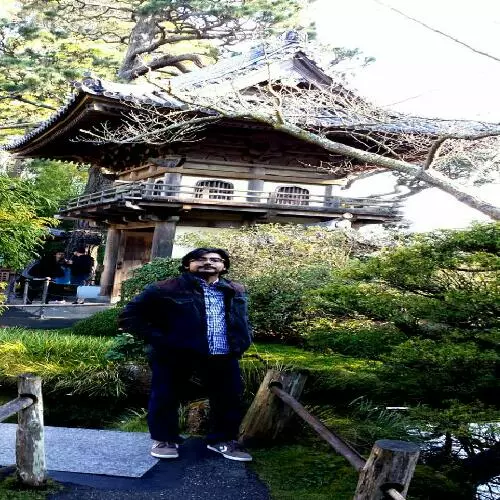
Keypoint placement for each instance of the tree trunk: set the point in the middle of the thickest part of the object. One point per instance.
(96, 181)
(141, 36)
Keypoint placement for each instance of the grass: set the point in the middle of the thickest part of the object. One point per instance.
(309, 471)
(345, 376)
(66, 362)
(11, 489)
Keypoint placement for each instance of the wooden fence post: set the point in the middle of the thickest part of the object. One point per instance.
(391, 465)
(30, 452)
(268, 415)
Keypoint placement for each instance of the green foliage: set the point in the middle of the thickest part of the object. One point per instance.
(156, 270)
(101, 324)
(442, 292)
(22, 230)
(56, 181)
(330, 376)
(362, 422)
(259, 249)
(126, 347)
(278, 301)
(309, 471)
(433, 371)
(38, 62)
(47, 44)
(447, 277)
(354, 337)
(132, 421)
(66, 362)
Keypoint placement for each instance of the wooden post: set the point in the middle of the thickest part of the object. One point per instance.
(45, 291)
(255, 185)
(390, 466)
(268, 415)
(25, 291)
(110, 259)
(30, 452)
(163, 238)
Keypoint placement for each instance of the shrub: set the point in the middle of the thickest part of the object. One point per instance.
(156, 270)
(101, 324)
(257, 250)
(126, 347)
(360, 338)
(434, 371)
(278, 300)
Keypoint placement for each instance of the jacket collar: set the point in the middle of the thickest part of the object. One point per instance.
(192, 281)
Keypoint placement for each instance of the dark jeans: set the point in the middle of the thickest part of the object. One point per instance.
(221, 378)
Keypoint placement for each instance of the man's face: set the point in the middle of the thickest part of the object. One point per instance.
(209, 264)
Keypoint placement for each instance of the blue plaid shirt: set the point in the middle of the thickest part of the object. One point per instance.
(216, 318)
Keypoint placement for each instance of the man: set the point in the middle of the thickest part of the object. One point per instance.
(197, 322)
(81, 265)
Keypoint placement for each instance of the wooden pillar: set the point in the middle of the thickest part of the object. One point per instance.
(163, 238)
(255, 185)
(174, 180)
(390, 466)
(110, 259)
(30, 452)
(268, 415)
(331, 200)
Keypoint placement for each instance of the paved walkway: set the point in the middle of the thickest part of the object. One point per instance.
(198, 474)
(50, 316)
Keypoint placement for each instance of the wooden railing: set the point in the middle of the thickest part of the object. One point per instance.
(136, 191)
(387, 472)
(30, 452)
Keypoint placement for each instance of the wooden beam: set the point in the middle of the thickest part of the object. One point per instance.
(163, 238)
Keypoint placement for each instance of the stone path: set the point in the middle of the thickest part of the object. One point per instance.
(115, 465)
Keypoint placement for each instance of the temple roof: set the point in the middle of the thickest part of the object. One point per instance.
(288, 59)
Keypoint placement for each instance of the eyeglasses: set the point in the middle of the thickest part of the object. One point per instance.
(208, 259)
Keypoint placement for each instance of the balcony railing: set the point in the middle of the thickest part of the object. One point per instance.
(148, 191)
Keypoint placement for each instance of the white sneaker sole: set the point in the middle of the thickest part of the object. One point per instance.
(157, 455)
(229, 457)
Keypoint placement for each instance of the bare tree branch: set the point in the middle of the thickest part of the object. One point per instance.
(435, 30)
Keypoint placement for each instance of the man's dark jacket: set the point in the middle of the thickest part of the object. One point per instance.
(170, 315)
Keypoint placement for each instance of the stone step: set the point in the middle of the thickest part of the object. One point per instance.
(87, 451)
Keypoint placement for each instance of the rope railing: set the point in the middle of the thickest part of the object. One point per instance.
(30, 452)
(385, 474)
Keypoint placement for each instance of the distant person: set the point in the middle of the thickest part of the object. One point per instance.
(198, 323)
(81, 265)
(49, 266)
(65, 279)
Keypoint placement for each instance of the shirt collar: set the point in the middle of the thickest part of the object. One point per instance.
(205, 283)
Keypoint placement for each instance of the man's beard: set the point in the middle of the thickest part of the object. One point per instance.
(206, 271)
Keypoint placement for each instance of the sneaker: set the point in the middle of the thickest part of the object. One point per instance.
(162, 449)
(231, 450)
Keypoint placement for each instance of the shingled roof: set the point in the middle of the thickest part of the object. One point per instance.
(285, 59)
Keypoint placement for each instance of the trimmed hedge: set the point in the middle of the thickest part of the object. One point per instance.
(101, 324)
